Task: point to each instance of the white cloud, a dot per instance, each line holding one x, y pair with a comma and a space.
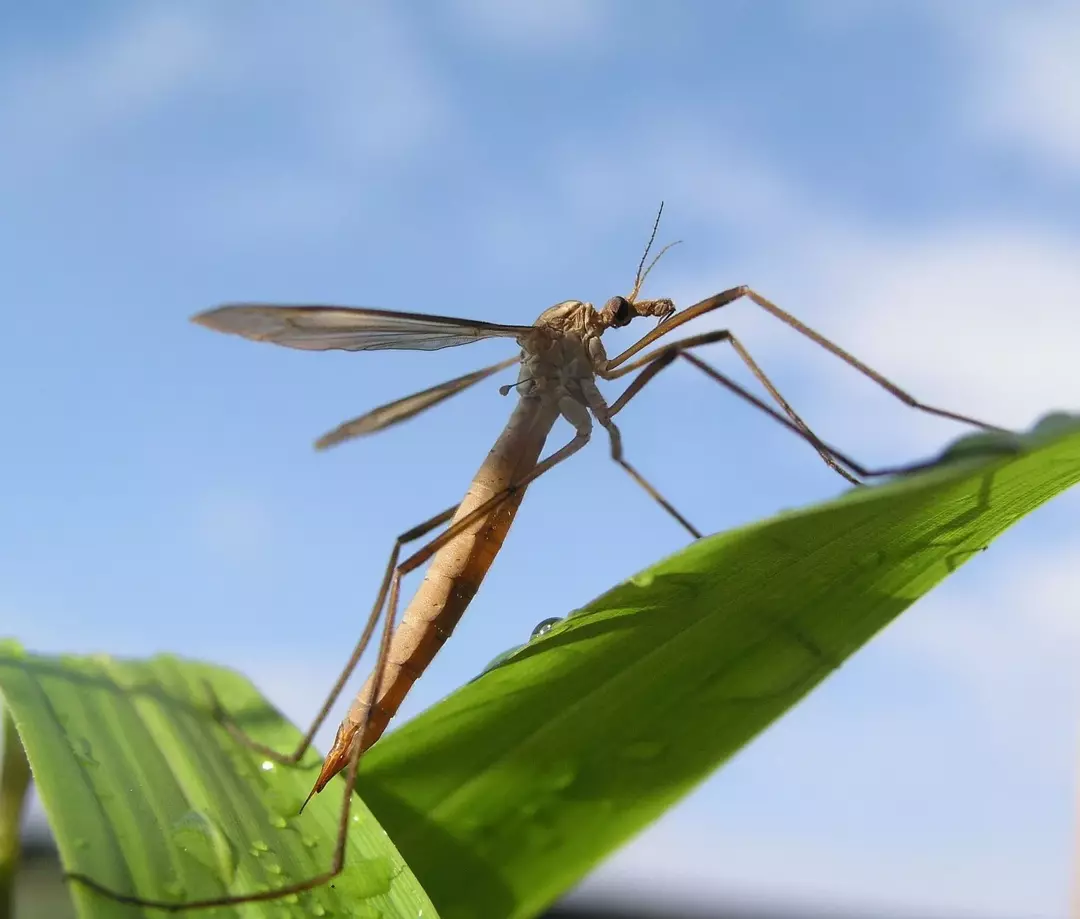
353, 89
52, 103
697, 170
1019, 71
1012, 642
1024, 81
698, 869
977, 318
367, 85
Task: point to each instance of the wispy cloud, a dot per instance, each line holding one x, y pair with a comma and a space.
981, 318
370, 98
703, 867
1012, 641
55, 102
1024, 82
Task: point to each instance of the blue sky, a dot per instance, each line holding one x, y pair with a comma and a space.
903, 176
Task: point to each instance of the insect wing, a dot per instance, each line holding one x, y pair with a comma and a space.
394, 412
326, 328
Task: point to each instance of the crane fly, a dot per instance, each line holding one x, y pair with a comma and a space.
561, 357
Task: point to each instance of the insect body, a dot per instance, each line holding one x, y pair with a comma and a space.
561, 358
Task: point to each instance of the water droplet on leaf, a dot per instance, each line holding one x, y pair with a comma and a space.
175, 889
84, 753
200, 836
544, 626
372, 877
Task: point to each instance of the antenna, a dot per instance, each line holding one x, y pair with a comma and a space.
640, 277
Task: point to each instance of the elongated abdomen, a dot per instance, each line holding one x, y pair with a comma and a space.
452, 578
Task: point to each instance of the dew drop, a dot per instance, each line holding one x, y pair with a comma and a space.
278, 821
318, 910
309, 842
285, 803
275, 868
175, 889
291, 898
544, 626
372, 877
84, 753
200, 836
268, 765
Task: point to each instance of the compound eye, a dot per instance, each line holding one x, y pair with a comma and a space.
620, 310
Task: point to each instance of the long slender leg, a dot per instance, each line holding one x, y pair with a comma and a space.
662, 357
722, 299
652, 492
603, 414
667, 353
388, 593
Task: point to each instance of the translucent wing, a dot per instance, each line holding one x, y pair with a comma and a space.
325, 328
393, 412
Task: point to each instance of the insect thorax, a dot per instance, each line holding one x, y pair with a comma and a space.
571, 317
562, 354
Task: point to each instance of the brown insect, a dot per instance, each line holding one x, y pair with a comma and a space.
561, 358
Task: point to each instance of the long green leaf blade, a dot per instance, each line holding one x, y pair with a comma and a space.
505, 794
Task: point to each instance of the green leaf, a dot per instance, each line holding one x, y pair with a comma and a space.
505, 794
14, 781
147, 794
